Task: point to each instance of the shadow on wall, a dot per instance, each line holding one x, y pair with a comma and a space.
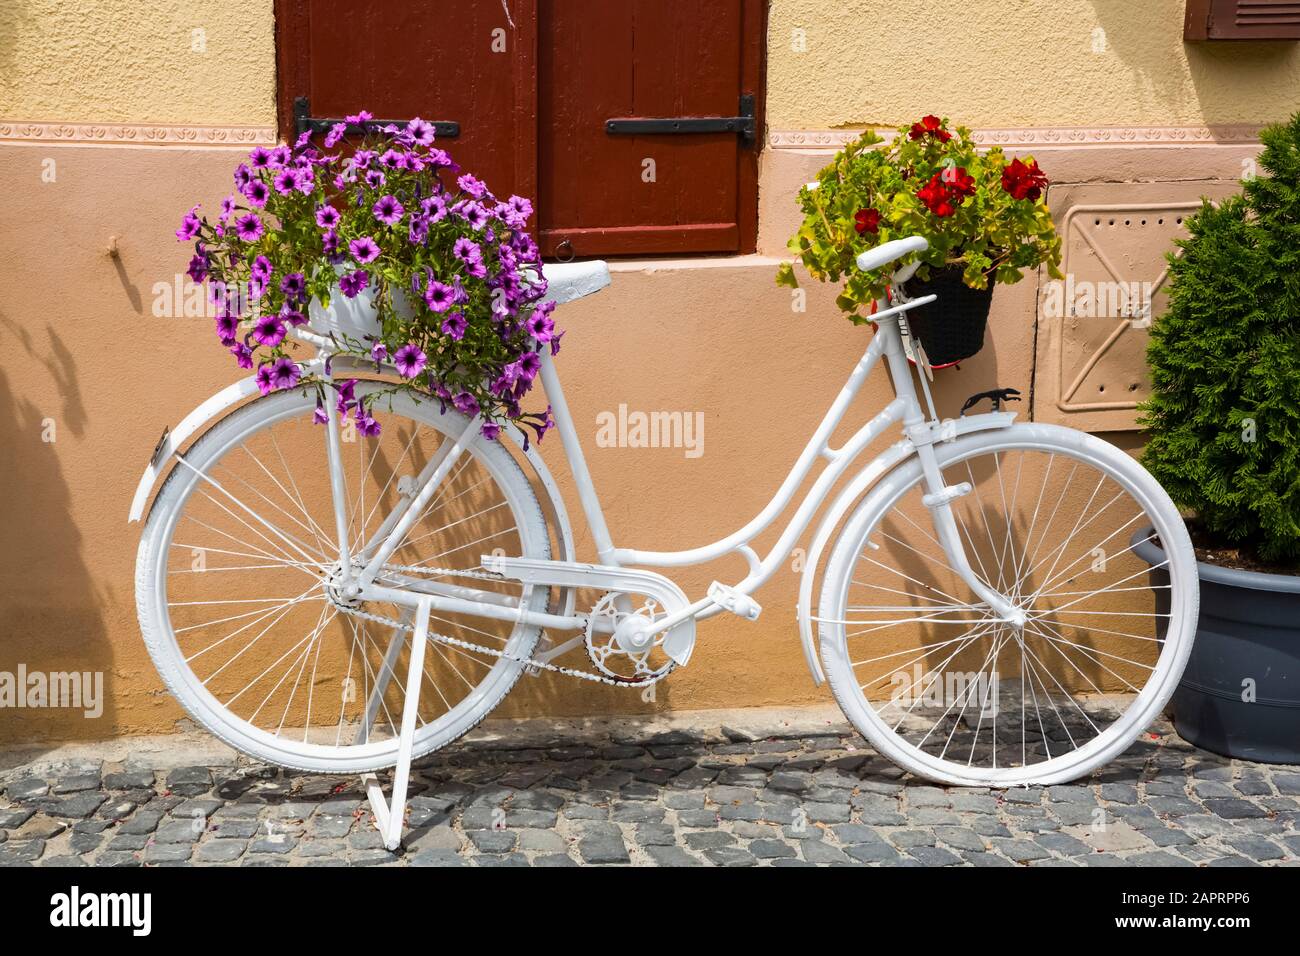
55, 661
1218, 71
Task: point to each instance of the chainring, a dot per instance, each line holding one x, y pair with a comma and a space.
609, 656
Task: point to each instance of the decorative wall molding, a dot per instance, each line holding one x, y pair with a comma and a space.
135, 134
1040, 137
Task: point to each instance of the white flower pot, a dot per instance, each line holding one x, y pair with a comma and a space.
355, 318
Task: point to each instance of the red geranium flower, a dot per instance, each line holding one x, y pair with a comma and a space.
937, 197
1023, 181
931, 126
960, 182
867, 220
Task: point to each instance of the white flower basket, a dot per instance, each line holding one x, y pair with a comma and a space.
355, 318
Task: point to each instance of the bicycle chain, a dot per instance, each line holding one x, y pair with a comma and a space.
490, 651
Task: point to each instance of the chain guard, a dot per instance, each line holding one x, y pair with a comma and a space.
491, 572
678, 641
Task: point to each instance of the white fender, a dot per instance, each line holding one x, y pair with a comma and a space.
894, 455
198, 420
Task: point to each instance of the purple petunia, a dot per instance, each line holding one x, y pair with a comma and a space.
262, 268
421, 132
285, 373
472, 213
248, 228
435, 207
294, 285
466, 404
530, 363
467, 250
419, 229
327, 217
198, 270
410, 360
352, 283
454, 325
363, 249
540, 326
292, 316
190, 226
439, 296
366, 423
336, 133
269, 330
490, 430
388, 210
263, 379
347, 394
472, 185
286, 181
227, 328
260, 157
257, 193
243, 355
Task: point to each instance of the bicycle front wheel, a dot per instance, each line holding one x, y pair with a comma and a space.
235, 563
942, 686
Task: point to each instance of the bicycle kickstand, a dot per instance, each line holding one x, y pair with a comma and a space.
390, 815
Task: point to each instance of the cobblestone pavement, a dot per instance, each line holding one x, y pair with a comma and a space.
683, 797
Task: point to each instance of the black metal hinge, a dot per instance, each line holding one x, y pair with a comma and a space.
304, 121
744, 124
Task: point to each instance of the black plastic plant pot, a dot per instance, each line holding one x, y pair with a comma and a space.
1240, 693
952, 328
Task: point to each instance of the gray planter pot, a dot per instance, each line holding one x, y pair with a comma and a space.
1249, 630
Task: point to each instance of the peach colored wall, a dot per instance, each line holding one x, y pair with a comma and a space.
83, 352
86, 363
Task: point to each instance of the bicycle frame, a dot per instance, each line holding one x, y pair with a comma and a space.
904, 410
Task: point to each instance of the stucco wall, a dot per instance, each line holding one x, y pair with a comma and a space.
161, 61
80, 346
1015, 63
984, 62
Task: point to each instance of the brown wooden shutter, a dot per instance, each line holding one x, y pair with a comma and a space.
534, 118
648, 59
1242, 20
437, 59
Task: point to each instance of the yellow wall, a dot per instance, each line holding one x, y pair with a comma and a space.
984, 62
138, 62
1018, 63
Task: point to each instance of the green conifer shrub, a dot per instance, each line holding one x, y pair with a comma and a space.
1224, 413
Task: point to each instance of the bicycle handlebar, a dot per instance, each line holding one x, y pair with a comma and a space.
888, 252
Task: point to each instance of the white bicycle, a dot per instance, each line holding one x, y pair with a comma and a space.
340, 604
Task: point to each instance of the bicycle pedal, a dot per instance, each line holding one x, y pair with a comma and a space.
737, 602
947, 495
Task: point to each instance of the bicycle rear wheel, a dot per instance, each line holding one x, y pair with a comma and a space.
234, 562
938, 683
